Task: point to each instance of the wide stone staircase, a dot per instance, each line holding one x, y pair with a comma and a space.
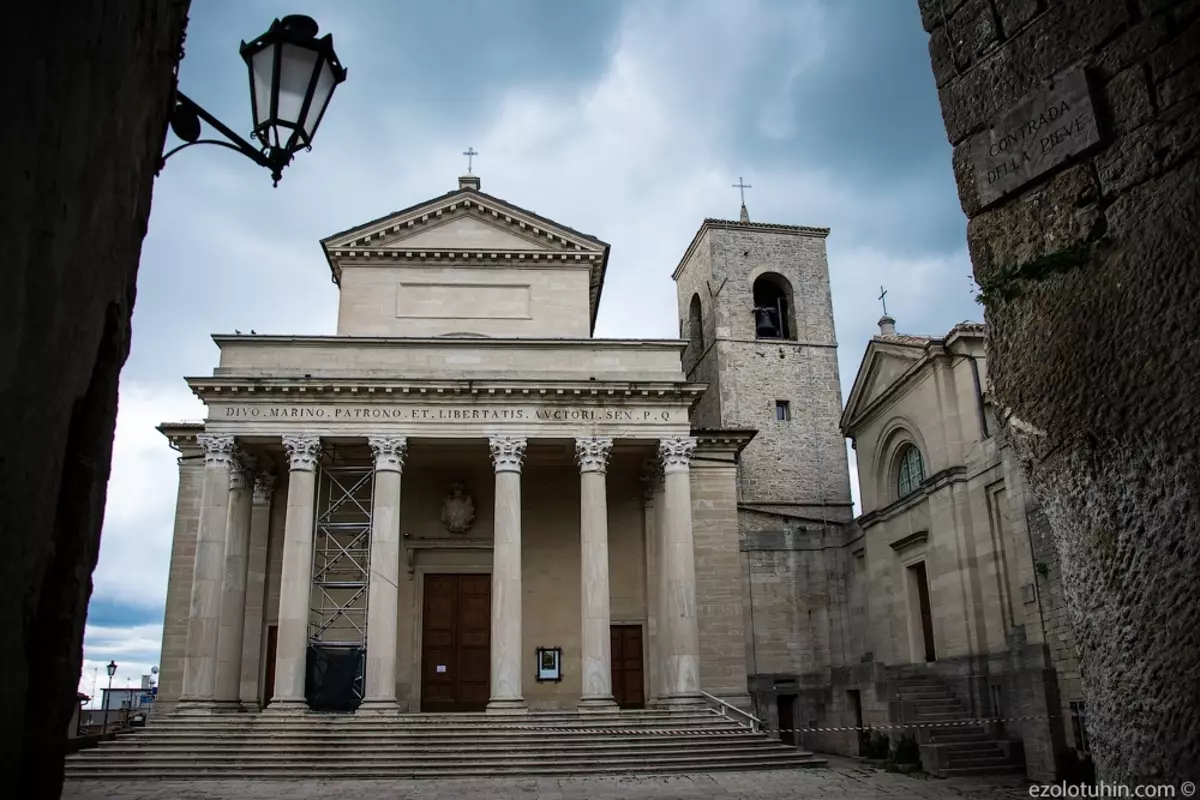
956, 749
435, 746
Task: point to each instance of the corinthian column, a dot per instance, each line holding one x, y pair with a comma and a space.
592, 454
295, 583
256, 584
382, 597
507, 454
200, 653
679, 639
233, 586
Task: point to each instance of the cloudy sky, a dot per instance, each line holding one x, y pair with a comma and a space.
627, 120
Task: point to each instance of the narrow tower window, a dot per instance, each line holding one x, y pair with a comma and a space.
783, 410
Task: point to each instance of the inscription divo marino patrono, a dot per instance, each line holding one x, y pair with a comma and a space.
441, 413
1044, 129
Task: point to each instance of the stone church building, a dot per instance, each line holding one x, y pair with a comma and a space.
463, 501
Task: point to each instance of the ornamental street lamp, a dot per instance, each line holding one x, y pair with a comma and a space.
112, 670
292, 78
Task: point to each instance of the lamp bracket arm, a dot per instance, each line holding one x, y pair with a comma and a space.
235, 142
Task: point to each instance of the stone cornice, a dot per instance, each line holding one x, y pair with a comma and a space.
365, 389
935, 482
731, 440
448, 342
758, 227
912, 540
181, 434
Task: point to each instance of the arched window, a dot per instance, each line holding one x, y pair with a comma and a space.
912, 470
695, 328
773, 307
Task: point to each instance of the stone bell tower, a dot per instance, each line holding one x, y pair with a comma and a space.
754, 303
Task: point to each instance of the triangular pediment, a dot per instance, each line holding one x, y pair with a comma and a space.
464, 220
883, 365
464, 230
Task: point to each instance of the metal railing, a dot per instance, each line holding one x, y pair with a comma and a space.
752, 722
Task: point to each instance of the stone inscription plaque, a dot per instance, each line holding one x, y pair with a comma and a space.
441, 413
1044, 129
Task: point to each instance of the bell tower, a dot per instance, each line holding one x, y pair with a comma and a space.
755, 307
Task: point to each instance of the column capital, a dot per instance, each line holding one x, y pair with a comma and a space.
303, 450
676, 453
264, 487
592, 452
507, 452
241, 470
218, 450
390, 452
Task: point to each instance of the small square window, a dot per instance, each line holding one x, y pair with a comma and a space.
783, 410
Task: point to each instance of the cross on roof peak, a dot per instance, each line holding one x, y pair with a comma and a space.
470, 153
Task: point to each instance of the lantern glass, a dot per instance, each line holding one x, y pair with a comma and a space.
111, 668
326, 80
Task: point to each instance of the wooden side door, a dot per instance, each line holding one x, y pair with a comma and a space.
456, 634
269, 678
628, 680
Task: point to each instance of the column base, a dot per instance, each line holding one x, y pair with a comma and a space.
378, 706
195, 705
598, 704
286, 706
512, 705
681, 701
228, 707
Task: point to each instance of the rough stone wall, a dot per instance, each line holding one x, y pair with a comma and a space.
1091, 279
86, 109
179, 579
700, 359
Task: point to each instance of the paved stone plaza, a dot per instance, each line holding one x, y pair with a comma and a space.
843, 779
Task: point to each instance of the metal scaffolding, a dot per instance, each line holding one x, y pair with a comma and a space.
337, 631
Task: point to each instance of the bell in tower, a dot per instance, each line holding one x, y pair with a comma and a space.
766, 323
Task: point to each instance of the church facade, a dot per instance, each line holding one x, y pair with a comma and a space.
463, 501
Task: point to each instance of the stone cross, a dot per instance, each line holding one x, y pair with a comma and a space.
883, 299
470, 154
742, 186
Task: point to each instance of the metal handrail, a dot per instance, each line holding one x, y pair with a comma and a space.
756, 724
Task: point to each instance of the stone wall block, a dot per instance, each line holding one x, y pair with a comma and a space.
1179, 52
1149, 150
1060, 215
935, 12
1064, 35
1014, 14
1127, 100
1181, 86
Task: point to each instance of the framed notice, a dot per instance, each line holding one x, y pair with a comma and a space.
549, 664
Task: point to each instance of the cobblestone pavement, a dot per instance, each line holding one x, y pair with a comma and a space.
842, 780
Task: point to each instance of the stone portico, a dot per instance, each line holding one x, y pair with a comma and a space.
403, 516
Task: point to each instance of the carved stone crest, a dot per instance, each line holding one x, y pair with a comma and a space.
458, 510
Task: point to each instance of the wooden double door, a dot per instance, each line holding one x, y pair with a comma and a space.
455, 643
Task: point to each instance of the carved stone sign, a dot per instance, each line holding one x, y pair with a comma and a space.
350, 412
1042, 130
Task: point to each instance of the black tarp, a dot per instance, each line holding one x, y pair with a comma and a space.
334, 678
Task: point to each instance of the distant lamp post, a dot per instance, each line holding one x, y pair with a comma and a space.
112, 670
292, 78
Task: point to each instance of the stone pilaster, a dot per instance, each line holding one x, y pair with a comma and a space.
679, 639
200, 654
295, 583
233, 586
256, 592
651, 480
508, 453
592, 453
383, 595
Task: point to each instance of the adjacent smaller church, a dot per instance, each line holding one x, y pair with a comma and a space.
463, 501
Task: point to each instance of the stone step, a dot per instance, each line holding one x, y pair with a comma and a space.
995, 759
982, 748
316, 743
266, 723
787, 758
276, 757
352, 736
1005, 769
